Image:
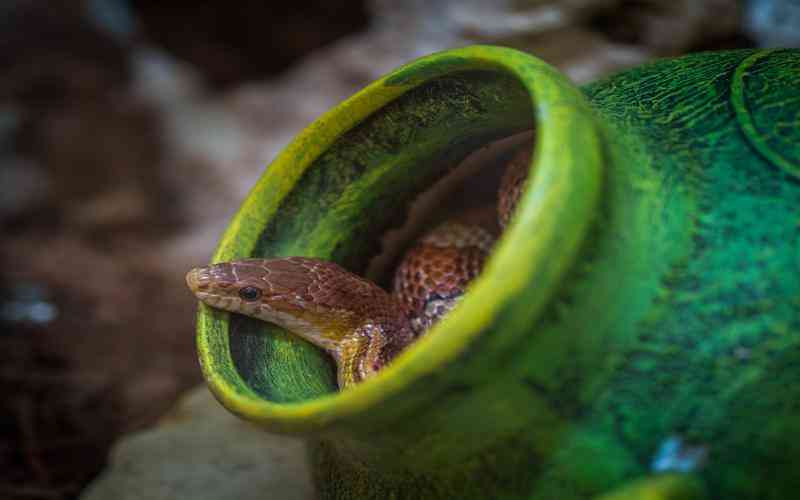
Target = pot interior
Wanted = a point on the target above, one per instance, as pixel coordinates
(359, 189)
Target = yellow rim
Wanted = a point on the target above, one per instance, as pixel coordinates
(565, 187)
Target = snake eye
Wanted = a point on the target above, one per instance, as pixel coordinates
(249, 293)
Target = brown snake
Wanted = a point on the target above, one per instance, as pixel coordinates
(358, 323)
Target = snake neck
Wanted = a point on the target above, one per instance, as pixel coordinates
(362, 334)
(361, 340)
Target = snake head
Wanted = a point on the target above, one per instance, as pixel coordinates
(278, 290)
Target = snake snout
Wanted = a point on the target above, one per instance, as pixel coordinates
(197, 279)
(201, 279)
(211, 286)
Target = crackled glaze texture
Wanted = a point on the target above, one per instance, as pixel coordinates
(643, 299)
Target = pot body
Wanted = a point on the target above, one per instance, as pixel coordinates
(640, 314)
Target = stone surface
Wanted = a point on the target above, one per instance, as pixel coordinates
(200, 451)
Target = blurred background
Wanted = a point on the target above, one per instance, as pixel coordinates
(130, 130)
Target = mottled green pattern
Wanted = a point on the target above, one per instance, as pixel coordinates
(712, 360)
(663, 219)
(766, 92)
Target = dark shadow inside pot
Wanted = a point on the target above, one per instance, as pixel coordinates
(467, 193)
(360, 189)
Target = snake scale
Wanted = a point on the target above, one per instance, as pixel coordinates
(362, 326)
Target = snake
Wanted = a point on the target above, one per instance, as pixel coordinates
(359, 324)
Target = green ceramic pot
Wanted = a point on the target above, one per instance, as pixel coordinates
(647, 292)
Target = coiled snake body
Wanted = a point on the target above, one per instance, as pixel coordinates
(358, 323)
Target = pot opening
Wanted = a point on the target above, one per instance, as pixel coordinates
(351, 205)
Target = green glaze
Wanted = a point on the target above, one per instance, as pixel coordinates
(661, 487)
(647, 288)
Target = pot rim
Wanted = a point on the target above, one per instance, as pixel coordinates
(557, 206)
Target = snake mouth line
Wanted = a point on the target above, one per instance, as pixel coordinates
(350, 173)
